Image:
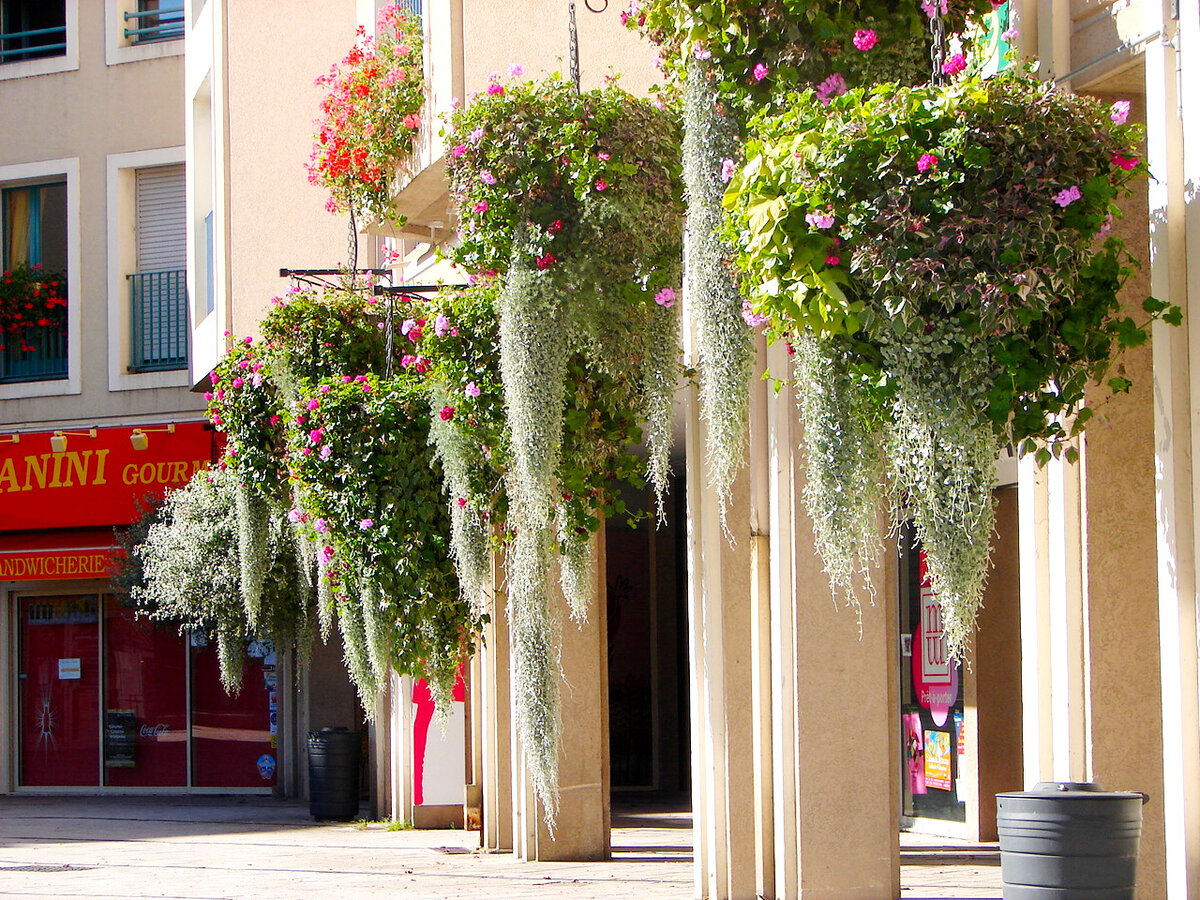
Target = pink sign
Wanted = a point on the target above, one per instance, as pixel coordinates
(935, 674)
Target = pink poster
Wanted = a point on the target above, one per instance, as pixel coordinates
(914, 753)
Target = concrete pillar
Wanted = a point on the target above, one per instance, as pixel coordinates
(495, 725)
(1172, 118)
(835, 703)
(584, 824)
(721, 666)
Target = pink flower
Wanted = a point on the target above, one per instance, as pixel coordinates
(601, 184)
(516, 70)
(833, 260)
(326, 451)
(753, 319)
(314, 404)
(321, 526)
(926, 162)
(700, 52)
(1128, 163)
(481, 206)
(461, 501)
(820, 219)
(476, 135)
(487, 177)
(865, 39)
(458, 150)
(1010, 35)
(324, 389)
(237, 382)
(833, 86)
(274, 420)
(407, 360)
(315, 435)
(412, 121)
(208, 396)
(935, 7)
(1107, 226)
(603, 157)
(366, 525)
(294, 515)
(1120, 112)
(760, 72)
(472, 389)
(954, 64)
(494, 89)
(256, 379)
(1067, 196)
(545, 262)
(728, 167)
(324, 555)
(446, 413)
(441, 325)
(665, 297)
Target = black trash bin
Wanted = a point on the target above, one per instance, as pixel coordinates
(334, 755)
(1069, 841)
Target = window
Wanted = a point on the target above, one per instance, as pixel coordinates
(34, 295)
(154, 20)
(32, 29)
(158, 287)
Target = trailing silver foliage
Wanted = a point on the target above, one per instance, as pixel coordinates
(661, 379)
(724, 342)
(470, 541)
(844, 488)
(253, 522)
(576, 570)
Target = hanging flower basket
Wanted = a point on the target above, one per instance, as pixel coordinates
(940, 259)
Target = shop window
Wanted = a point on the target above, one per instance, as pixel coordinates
(33, 297)
(32, 29)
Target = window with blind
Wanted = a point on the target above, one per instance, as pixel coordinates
(158, 289)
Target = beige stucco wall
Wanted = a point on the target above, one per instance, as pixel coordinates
(276, 219)
(88, 114)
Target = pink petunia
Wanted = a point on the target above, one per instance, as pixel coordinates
(751, 318)
(820, 219)
(495, 89)
(926, 162)
(865, 39)
(366, 524)
(481, 206)
(1128, 163)
(472, 389)
(954, 64)
(1119, 112)
(833, 86)
(458, 150)
(760, 72)
(665, 297)
(728, 167)
(487, 177)
(1067, 196)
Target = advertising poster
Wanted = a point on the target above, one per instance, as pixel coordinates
(962, 734)
(914, 753)
(937, 760)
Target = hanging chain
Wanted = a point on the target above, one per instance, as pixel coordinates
(352, 249)
(937, 48)
(390, 333)
(573, 44)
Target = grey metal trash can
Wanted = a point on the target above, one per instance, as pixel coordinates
(1069, 841)
(334, 755)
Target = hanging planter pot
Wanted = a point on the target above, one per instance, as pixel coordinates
(939, 257)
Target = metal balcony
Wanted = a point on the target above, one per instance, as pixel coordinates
(158, 321)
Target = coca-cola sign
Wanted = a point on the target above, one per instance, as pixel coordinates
(154, 731)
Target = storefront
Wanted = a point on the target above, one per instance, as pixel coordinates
(94, 697)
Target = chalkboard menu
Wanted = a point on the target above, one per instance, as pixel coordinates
(120, 739)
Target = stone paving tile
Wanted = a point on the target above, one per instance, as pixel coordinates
(213, 848)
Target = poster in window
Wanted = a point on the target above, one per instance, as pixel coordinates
(937, 760)
(120, 739)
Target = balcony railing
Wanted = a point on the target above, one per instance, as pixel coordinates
(17, 46)
(154, 25)
(159, 321)
(412, 7)
(45, 360)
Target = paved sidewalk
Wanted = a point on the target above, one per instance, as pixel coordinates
(203, 848)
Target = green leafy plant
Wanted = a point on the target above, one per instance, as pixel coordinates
(735, 59)
(572, 203)
(326, 425)
(937, 255)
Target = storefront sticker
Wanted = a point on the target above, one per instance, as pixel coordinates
(935, 674)
(961, 732)
(266, 767)
(937, 760)
(120, 738)
(69, 669)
